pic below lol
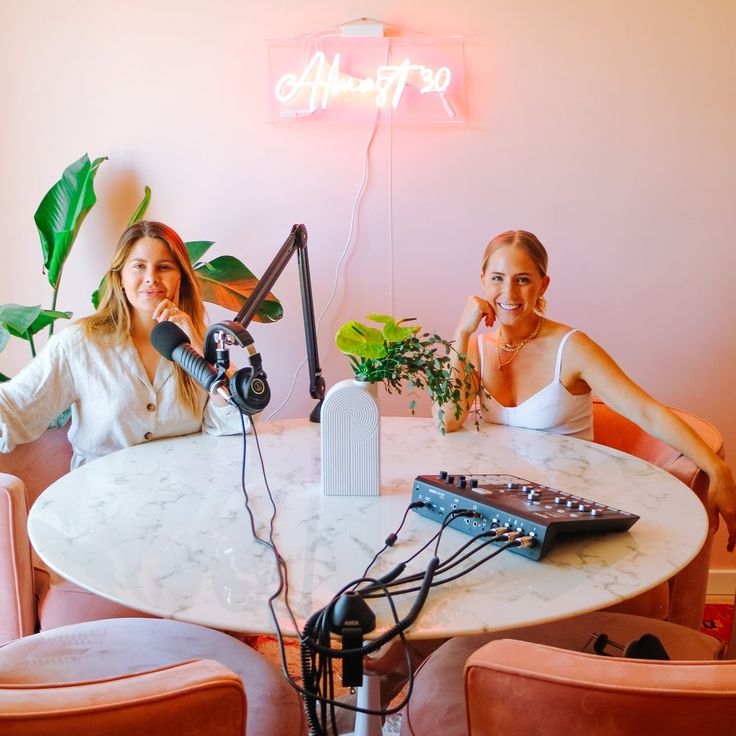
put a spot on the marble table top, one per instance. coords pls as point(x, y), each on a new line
point(162, 527)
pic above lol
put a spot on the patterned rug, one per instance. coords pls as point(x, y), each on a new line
point(717, 620)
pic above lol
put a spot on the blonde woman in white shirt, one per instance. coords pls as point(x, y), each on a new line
point(121, 392)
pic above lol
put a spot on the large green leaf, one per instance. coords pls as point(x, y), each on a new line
point(46, 318)
point(4, 378)
point(140, 210)
point(393, 331)
point(16, 318)
point(354, 338)
point(4, 337)
point(197, 249)
point(62, 211)
point(228, 282)
point(24, 322)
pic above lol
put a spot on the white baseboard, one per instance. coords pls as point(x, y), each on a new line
point(721, 582)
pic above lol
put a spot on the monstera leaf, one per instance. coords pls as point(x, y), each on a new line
point(61, 213)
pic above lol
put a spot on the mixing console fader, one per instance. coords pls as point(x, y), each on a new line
point(532, 511)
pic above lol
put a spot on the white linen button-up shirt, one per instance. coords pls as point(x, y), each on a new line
point(113, 403)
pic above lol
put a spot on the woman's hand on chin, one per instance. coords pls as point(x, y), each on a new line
point(167, 311)
point(476, 310)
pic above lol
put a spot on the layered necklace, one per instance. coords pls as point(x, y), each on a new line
point(509, 348)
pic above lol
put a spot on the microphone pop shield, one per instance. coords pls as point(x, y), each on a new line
point(166, 337)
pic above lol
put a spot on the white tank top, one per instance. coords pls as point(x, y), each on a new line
point(552, 409)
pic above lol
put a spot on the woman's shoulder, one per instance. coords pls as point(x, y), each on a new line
point(77, 338)
point(559, 330)
point(580, 349)
point(68, 337)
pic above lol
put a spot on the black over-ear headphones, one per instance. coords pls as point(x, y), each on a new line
point(248, 386)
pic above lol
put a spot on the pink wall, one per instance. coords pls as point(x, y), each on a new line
point(606, 128)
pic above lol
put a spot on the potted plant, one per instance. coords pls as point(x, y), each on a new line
point(400, 358)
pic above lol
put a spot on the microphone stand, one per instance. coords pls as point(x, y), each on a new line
point(236, 329)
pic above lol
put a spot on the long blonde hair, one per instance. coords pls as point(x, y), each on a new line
point(528, 242)
point(111, 323)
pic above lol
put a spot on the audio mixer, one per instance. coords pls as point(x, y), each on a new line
point(532, 512)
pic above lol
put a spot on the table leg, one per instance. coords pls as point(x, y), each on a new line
point(369, 696)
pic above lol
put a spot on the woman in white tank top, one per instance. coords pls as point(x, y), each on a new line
point(535, 373)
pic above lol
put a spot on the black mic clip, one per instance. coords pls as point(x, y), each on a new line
point(351, 617)
point(219, 336)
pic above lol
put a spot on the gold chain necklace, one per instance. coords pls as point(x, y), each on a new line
point(508, 347)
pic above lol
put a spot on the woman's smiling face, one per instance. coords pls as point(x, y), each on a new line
point(150, 274)
point(512, 284)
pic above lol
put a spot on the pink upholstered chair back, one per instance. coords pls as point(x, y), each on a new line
point(17, 605)
point(685, 597)
point(186, 699)
point(613, 430)
point(39, 463)
point(525, 688)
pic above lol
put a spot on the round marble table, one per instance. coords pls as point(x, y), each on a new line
point(162, 527)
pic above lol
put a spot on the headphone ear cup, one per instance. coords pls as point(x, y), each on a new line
point(250, 390)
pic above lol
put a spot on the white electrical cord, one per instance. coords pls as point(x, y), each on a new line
point(348, 242)
point(343, 255)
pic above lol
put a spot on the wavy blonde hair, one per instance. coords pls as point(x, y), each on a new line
point(529, 243)
point(111, 323)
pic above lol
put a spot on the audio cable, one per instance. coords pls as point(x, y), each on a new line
point(324, 670)
point(317, 655)
point(391, 538)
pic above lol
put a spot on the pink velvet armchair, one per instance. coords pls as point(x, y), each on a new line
point(119, 672)
point(57, 601)
point(682, 599)
point(31, 599)
point(438, 704)
point(527, 688)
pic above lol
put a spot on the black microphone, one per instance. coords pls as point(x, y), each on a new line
point(173, 343)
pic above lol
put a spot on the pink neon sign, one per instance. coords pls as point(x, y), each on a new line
point(362, 79)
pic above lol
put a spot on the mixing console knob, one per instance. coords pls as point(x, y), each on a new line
point(473, 482)
point(510, 485)
point(443, 475)
point(450, 479)
point(582, 507)
point(534, 495)
point(594, 512)
point(570, 504)
point(461, 482)
point(559, 499)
